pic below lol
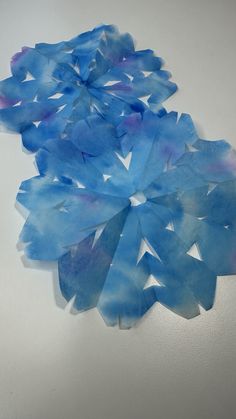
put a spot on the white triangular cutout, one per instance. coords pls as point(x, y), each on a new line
point(137, 199)
point(151, 281)
point(69, 51)
point(144, 99)
point(211, 187)
point(36, 123)
point(190, 148)
point(17, 104)
point(70, 305)
point(111, 83)
point(147, 73)
point(193, 251)
point(179, 114)
point(125, 160)
point(80, 185)
point(63, 209)
point(29, 77)
point(170, 226)
point(76, 69)
point(129, 76)
point(56, 96)
point(168, 165)
point(106, 177)
point(146, 247)
point(98, 233)
point(60, 108)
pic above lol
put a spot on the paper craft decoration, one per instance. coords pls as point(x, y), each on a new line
point(125, 190)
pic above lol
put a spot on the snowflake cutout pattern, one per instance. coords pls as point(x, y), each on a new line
point(117, 217)
point(134, 207)
point(54, 86)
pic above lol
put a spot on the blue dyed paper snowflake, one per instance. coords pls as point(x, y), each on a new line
point(125, 190)
point(54, 86)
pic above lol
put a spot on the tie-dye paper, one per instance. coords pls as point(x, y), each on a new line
point(125, 190)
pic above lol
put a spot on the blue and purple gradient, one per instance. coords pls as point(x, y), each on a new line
point(98, 72)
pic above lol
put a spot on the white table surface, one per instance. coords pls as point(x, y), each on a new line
point(54, 365)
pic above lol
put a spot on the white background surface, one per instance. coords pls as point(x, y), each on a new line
point(54, 365)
